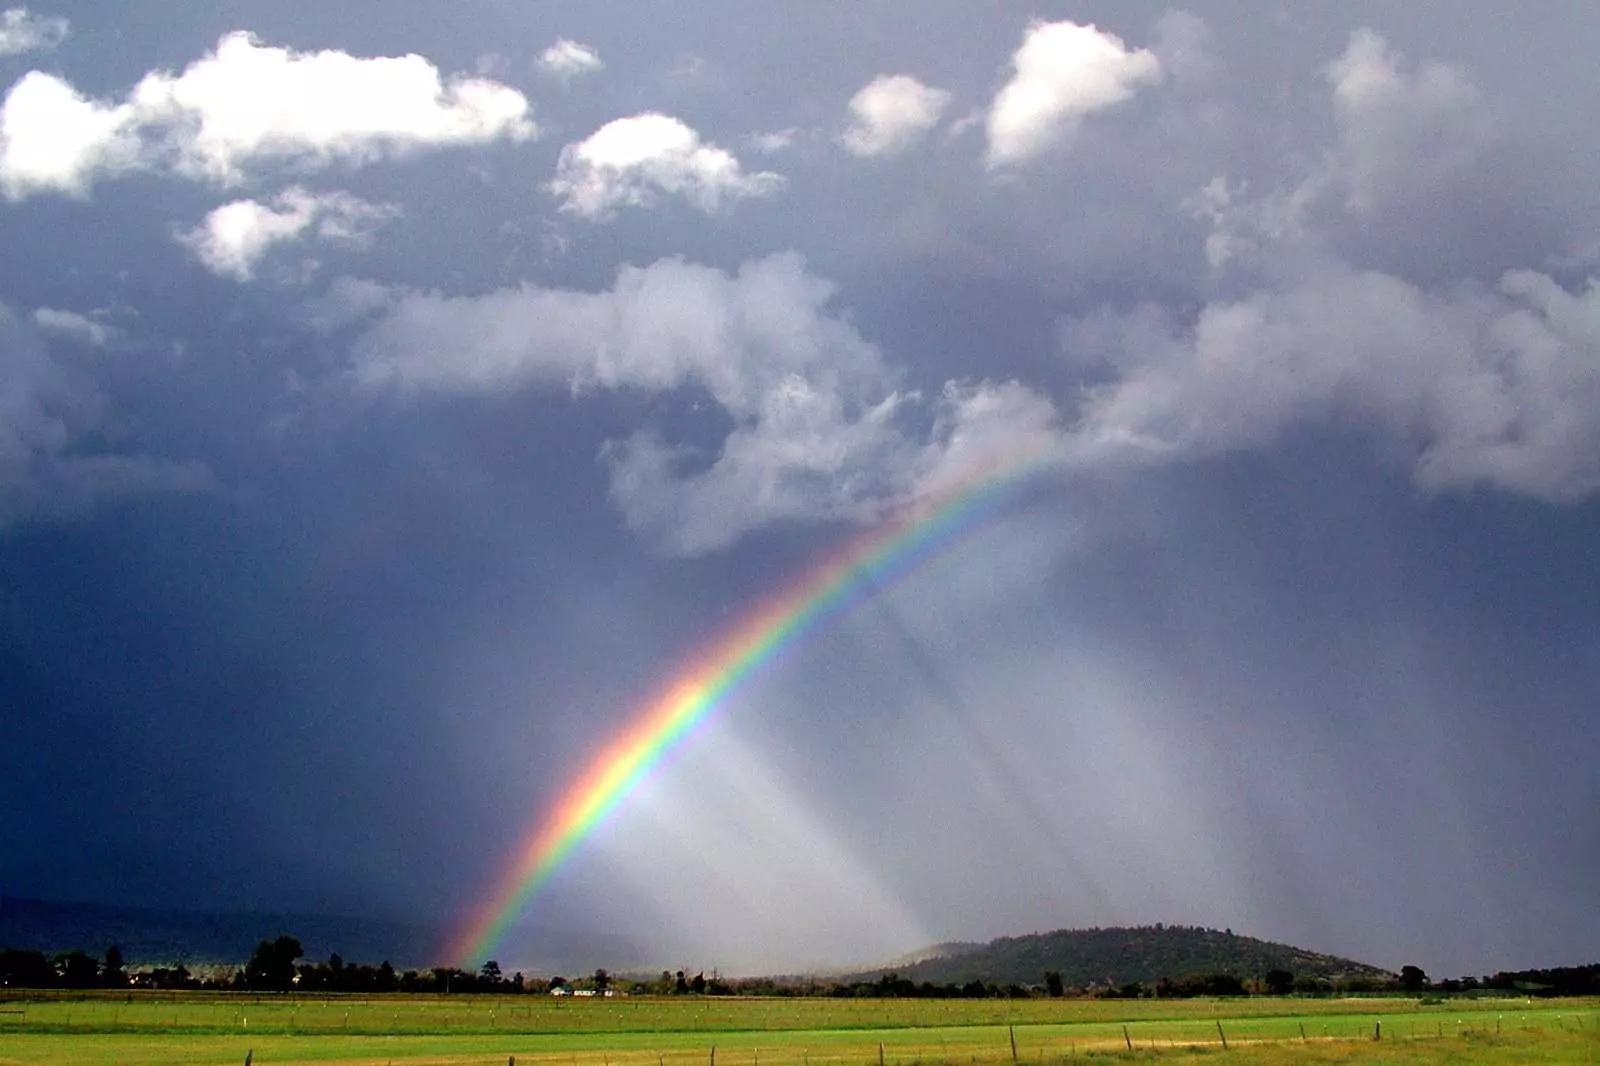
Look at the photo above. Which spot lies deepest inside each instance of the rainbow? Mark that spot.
(829, 589)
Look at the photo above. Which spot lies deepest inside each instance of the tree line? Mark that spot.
(279, 965)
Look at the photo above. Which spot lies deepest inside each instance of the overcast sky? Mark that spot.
(391, 402)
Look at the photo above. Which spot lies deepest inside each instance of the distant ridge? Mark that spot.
(154, 936)
(1118, 956)
(162, 936)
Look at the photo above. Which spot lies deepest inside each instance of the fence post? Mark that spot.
(1377, 1030)
(1012, 1031)
(1126, 1039)
(1223, 1035)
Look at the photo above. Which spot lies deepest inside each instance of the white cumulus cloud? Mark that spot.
(890, 112)
(566, 59)
(234, 237)
(247, 101)
(23, 31)
(1062, 72)
(244, 105)
(631, 161)
(52, 138)
(821, 429)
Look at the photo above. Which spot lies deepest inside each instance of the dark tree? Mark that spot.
(681, 986)
(112, 974)
(176, 977)
(602, 981)
(1052, 983)
(271, 968)
(490, 973)
(1278, 982)
(25, 969)
(78, 970)
(1412, 979)
(698, 985)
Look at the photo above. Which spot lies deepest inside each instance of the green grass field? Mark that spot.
(647, 1031)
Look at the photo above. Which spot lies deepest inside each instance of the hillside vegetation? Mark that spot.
(1117, 957)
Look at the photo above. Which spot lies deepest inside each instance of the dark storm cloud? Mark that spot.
(338, 454)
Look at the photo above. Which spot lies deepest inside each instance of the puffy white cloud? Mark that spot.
(890, 112)
(54, 139)
(244, 105)
(629, 161)
(1062, 72)
(233, 238)
(23, 31)
(71, 324)
(247, 102)
(1498, 389)
(567, 59)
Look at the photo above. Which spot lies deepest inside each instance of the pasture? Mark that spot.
(89, 1029)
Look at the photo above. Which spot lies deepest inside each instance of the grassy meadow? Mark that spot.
(150, 1028)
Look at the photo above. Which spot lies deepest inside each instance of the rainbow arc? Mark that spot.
(828, 590)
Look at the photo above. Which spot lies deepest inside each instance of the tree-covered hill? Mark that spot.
(1118, 956)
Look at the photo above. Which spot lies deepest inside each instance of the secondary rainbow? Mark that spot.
(863, 567)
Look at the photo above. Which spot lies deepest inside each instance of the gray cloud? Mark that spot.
(1496, 389)
(820, 431)
(85, 328)
(51, 415)
(23, 31)
(566, 59)
(1478, 387)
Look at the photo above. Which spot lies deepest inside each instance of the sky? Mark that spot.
(393, 404)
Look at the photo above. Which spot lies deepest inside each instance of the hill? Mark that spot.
(1117, 956)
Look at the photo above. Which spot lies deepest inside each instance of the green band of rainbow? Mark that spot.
(827, 590)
